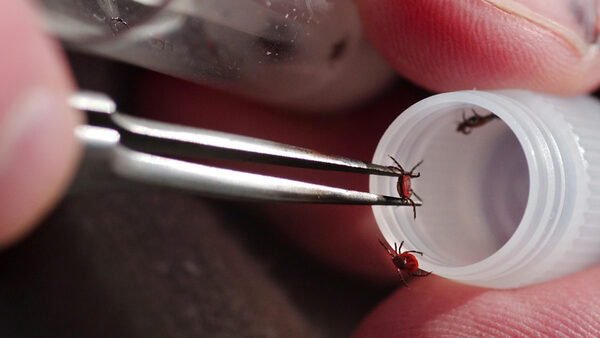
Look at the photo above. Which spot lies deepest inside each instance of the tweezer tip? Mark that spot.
(389, 200)
(93, 102)
(377, 169)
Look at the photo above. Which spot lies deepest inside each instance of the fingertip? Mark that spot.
(37, 146)
(451, 45)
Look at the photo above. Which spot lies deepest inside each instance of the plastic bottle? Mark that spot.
(515, 202)
(302, 54)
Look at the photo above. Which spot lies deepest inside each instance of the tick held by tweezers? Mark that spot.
(151, 151)
(403, 184)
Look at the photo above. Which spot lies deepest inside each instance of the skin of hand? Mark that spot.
(441, 45)
(37, 148)
(449, 45)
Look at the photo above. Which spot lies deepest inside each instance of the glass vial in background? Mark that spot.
(301, 54)
(515, 202)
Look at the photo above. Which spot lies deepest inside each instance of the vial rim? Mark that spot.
(545, 195)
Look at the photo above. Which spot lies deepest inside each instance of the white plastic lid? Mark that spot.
(515, 202)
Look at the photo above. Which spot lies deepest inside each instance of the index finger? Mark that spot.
(447, 45)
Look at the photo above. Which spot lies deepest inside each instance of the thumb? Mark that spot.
(435, 307)
(488, 44)
(37, 147)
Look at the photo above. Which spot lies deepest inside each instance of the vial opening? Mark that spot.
(474, 186)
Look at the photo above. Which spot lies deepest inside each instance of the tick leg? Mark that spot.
(412, 192)
(395, 170)
(402, 277)
(397, 164)
(413, 169)
(464, 126)
(460, 127)
(414, 208)
(400, 248)
(417, 252)
(475, 113)
(386, 248)
(490, 117)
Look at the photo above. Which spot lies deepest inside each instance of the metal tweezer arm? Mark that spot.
(147, 150)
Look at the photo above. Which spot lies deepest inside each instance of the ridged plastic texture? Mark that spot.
(515, 202)
(584, 247)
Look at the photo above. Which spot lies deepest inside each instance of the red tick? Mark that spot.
(405, 262)
(403, 184)
(473, 122)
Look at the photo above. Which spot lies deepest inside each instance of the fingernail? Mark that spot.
(572, 20)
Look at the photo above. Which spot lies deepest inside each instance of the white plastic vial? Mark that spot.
(515, 202)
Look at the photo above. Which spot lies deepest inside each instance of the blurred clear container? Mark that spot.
(305, 54)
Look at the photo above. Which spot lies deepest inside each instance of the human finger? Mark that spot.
(569, 306)
(37, 149)
(447, 45)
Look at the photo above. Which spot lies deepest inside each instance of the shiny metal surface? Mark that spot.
(143, 150)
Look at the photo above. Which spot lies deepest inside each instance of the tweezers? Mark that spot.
(154, 152)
